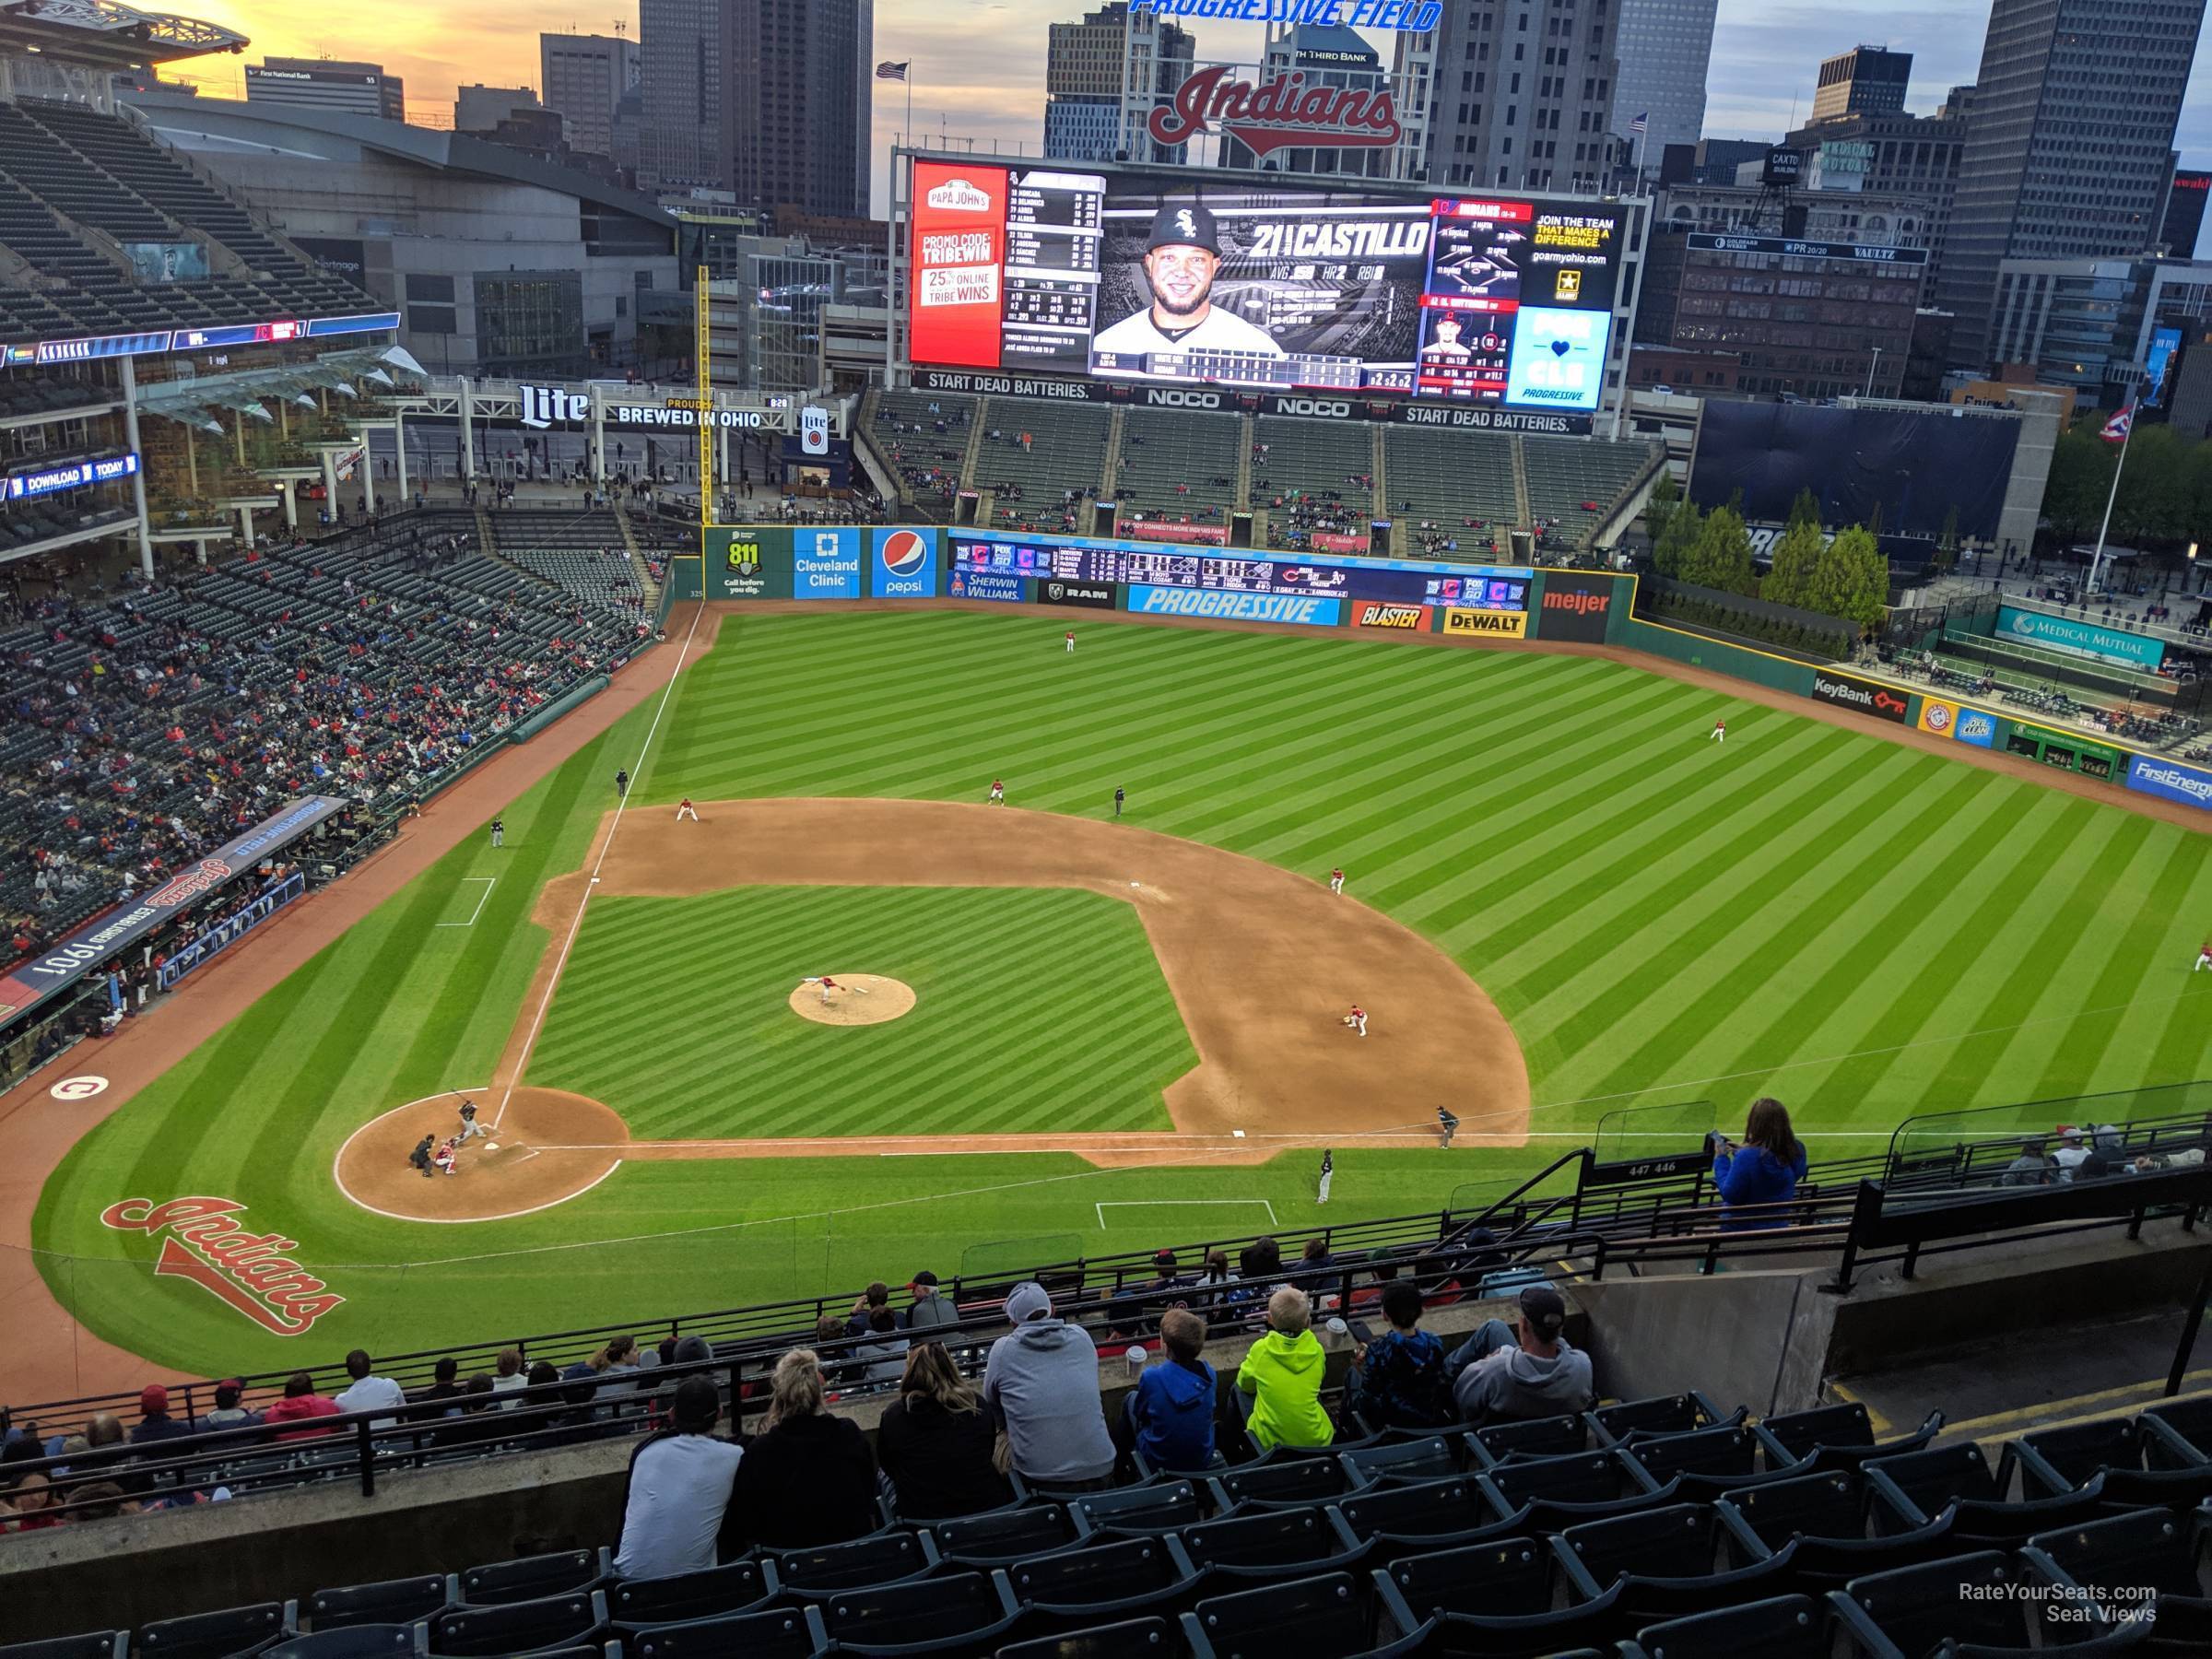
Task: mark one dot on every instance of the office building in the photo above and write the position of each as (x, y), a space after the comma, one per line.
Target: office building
(1867, 80)
(2091, 323)
(1522, 96)
(1664, 48)
(2185, 212)
(480, 109)
(583, 78)
(1102, 75)
(799, 136)
(2068, 149)
(1895, 155)
(320, 84)
(1759, 315)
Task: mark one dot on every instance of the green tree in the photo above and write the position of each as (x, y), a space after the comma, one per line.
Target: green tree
(1671, 551)
(1721, 558)
(1851, 579)
(1660, 505)
(2081, 474)
(1806, 509)
(1795, 553)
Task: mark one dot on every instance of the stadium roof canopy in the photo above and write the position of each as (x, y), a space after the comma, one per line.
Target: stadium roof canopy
(102, 34)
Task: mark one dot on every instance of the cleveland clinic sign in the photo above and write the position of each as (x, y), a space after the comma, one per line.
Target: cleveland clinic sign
(1396, 16)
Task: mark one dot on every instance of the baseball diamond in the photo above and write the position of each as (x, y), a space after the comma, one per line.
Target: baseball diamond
(1563, 902)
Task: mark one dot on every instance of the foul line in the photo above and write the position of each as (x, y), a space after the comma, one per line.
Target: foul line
(1104, 1205)
(537, 1020)
(489, 882)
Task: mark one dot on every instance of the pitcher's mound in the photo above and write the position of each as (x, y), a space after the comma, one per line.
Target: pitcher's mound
(859, 999)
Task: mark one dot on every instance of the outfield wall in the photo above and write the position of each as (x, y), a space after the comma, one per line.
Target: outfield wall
(1386, 596)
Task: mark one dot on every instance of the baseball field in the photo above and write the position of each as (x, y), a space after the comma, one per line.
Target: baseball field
(1563, 900)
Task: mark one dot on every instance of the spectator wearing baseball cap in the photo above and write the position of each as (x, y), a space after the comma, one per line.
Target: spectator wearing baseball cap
(228, 1412)
(1527, 1368)
(1042, 1382)
(930, 1310)
(2072, 1152)
(154, 1422)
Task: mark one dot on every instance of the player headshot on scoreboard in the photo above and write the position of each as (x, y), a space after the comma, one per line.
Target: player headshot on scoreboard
(1444, 345)
(1183, 255)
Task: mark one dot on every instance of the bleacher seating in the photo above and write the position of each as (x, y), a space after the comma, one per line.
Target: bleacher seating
(1574, 482)
(924, 436)
(1177, 469)
(106, 173)
(408, 647)
(1461, 484)
(581, 552)
(1363, 1549)
(1051, 478)
(1311, 475)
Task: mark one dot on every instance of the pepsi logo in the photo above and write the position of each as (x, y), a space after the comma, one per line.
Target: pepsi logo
(904, 553)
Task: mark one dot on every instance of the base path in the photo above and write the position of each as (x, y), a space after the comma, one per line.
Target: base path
(1262, 963)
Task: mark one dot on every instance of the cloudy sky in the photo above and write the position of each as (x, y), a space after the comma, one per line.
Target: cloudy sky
(979, 64)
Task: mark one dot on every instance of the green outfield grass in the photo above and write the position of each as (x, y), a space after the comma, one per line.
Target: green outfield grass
(993, 970)
(1867, 930)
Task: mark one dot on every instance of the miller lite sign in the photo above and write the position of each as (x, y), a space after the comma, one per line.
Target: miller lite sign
(814, 431)
(1277, 113)
(540, 406)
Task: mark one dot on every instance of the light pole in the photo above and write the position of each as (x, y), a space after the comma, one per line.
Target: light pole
(1871, 367)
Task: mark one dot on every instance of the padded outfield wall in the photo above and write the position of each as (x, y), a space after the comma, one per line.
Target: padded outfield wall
(1475, 603)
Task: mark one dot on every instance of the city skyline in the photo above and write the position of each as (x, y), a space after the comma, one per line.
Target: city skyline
(1764, 59)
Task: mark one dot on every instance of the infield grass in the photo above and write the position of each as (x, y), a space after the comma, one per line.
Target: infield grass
(1866, 930)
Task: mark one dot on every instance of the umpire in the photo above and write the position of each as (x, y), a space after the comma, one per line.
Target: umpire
(420, 1157)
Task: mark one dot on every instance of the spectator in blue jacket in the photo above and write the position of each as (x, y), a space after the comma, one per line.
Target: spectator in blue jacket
(1397, 1380)
(1168, 1416)
(1765, 1169)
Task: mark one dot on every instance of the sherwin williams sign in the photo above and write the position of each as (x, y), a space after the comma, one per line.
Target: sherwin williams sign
(2170, 780)
(2081, 639)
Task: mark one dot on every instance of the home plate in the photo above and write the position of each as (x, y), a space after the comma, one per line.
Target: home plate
(491, 1145)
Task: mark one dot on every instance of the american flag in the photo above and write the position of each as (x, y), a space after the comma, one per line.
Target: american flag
(1639, 122)
(892, 71)
(2115, 429)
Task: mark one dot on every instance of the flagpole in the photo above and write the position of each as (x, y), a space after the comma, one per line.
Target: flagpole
(2126, 438)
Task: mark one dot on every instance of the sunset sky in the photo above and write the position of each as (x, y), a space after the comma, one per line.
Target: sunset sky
(979, 64)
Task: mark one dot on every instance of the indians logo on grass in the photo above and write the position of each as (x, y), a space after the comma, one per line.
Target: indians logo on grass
(248, 1271)
(904, 553)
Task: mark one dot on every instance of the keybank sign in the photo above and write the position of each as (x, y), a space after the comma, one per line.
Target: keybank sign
(2081, 639)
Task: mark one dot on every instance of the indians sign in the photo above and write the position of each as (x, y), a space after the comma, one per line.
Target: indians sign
(1277, 113)
(249, 1272)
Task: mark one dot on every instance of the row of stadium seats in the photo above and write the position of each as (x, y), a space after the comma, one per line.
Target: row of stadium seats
(1655, 1527)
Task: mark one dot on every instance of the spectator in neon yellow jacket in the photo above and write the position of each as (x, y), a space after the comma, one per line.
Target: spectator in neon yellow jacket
(1283, 1373)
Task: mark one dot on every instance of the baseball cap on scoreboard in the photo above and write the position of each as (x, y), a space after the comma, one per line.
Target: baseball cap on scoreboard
(1190, 225)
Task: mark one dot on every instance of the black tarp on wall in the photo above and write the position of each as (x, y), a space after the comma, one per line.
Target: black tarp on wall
(1917, 464)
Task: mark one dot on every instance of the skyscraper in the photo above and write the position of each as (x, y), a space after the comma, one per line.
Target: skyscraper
(319, 84)
(769, 98)
(1664, 48)
(1867, 80)
(1523, 96)
(2185, 212)
(1084, 108)
(2069, 143)
(583, 78)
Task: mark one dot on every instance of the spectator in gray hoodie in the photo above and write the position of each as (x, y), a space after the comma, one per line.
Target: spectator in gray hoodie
(1043, 1383)
(1523, 1369)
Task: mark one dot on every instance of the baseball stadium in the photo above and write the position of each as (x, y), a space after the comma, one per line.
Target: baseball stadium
(1098, 845)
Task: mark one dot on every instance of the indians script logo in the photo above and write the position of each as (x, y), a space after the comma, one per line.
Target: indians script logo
(957, 195)
(1275, 115)
(249, 1271)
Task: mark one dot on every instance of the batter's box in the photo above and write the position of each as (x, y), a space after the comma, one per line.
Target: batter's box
(1149, 1204)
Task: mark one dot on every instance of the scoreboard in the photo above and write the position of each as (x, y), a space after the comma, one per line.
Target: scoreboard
(1472, 587)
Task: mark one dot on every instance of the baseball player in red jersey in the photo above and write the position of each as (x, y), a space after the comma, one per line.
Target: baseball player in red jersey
(1720, 731)
(1071, 640)
(1336, 880)
(1356, 1020)
(2203, 957)
(683, 809)
(445, 1158)
(998, 792)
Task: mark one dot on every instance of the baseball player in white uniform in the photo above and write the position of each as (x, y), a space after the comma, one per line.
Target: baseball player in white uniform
(683, 809)
(1183, 257)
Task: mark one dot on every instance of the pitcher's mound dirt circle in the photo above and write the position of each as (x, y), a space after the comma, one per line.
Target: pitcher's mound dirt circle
(549, 1146)
(859, 999)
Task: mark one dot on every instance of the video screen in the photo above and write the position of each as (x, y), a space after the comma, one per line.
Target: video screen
(1182, 279)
